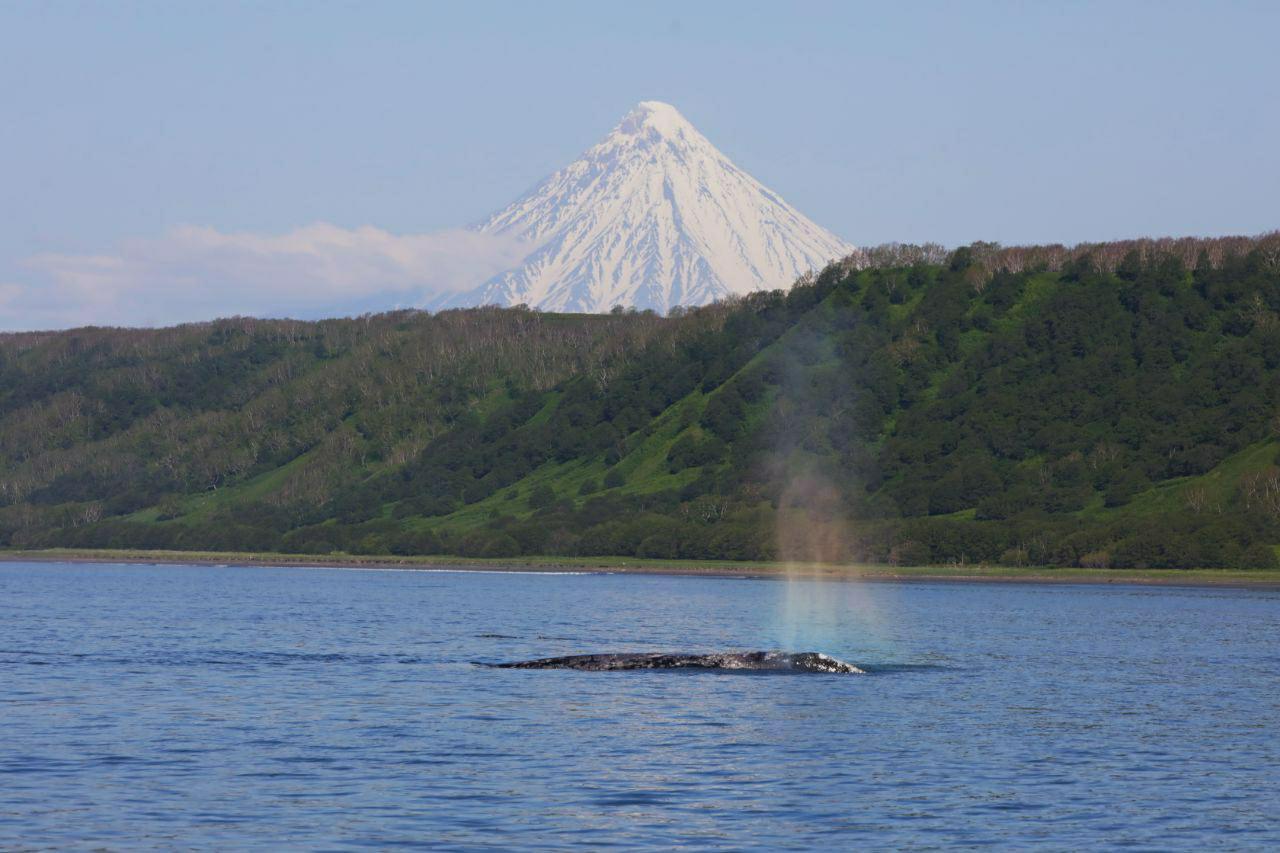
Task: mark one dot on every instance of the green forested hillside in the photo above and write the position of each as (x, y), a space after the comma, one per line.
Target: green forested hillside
(1112, 405)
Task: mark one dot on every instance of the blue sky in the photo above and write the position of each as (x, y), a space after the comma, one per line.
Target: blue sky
(1014, 122)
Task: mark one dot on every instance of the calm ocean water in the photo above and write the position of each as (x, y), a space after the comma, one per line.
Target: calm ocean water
(251, 707)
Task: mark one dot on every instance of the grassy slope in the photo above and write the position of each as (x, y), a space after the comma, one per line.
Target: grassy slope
(644, 467)
(1218, 484)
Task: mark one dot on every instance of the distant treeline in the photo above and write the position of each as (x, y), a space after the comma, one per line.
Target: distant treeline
(1108, 404)
(989, 258)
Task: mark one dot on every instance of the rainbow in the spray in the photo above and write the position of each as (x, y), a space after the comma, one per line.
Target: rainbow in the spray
(813, 532)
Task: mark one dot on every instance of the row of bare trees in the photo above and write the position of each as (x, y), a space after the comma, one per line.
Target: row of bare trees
(1256, 491)
(1261, 490)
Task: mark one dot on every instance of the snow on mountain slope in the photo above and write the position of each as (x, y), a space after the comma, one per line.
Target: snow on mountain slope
(652, 217)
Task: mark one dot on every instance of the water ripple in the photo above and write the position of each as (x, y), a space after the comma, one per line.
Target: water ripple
(266, 708)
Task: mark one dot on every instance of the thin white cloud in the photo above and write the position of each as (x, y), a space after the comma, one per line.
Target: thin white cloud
(198, 273)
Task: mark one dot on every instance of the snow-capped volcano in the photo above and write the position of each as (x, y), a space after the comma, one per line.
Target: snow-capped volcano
(652, 217)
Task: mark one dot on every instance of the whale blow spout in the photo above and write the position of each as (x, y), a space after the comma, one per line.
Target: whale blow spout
(773, 661)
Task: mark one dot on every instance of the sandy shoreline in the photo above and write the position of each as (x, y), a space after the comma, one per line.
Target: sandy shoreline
(1213, 578)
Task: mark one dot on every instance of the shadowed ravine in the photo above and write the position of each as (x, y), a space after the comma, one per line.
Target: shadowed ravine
(772, 661)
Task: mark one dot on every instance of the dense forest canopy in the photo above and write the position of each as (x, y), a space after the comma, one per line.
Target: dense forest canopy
(1106, 405)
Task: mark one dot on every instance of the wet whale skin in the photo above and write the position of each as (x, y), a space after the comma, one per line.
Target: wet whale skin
(772, 661)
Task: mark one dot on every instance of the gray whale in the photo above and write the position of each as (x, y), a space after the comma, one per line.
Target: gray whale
(751, 661)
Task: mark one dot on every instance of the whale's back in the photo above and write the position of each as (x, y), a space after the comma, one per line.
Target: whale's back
(758, 661)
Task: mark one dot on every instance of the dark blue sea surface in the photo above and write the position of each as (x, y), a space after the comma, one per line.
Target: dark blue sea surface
(166, 706)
